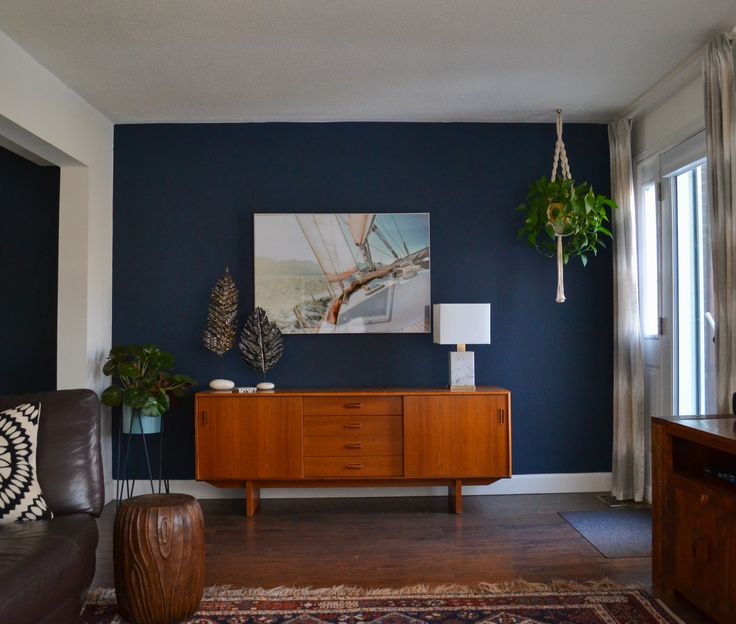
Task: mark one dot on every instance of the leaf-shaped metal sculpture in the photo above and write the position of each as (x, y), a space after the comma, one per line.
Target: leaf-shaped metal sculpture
(222, 316)
(261, 344)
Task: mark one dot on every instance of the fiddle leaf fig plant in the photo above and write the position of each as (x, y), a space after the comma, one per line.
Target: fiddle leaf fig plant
(143, 380)
(574, 212)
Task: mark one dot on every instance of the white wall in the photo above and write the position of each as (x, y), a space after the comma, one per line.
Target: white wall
(40, 115)
(671, 111)
(666, 124)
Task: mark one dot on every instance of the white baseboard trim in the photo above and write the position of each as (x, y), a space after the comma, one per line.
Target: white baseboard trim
(518, 484)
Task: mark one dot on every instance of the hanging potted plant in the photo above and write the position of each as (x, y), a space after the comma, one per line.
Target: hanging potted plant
(563, 218)
(144, 385)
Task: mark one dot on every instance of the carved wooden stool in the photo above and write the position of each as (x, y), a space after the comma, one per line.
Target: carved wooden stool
(158, 549)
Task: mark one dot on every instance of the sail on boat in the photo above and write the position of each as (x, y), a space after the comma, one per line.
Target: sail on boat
(360, 226)
(327, 240)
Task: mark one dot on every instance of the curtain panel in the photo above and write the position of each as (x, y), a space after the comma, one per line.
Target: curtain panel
(629, 419)
(720, 134)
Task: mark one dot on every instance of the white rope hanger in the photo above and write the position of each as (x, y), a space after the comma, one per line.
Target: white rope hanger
(560, 161)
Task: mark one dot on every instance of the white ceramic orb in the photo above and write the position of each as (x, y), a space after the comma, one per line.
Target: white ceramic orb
(222, 384)
(265, 385)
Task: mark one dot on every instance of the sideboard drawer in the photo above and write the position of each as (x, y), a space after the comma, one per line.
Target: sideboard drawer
(353, 467)
(352, 445)
(358, 424)
(354, 405)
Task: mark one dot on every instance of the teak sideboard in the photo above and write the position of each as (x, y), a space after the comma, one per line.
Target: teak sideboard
(353, 437)
(694, 512)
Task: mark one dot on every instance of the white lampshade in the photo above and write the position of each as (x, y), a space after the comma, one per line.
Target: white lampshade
(462, 323)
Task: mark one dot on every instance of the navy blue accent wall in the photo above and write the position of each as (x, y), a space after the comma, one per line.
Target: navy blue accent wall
(184, 199)
(29, 248)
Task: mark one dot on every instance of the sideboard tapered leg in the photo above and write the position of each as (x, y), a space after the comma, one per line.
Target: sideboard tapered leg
(455, 497)
(252, 498)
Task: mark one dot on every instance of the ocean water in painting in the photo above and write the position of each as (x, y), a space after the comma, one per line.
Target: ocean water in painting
(344, 273)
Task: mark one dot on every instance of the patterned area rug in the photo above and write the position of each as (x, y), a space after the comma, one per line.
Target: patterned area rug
(507, 603)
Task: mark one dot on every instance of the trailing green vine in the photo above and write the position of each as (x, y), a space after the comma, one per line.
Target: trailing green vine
(561, 207)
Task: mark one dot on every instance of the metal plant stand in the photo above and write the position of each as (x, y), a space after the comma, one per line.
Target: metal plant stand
(124, 486)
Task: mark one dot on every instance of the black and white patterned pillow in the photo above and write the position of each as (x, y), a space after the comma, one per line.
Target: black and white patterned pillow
(20, 495)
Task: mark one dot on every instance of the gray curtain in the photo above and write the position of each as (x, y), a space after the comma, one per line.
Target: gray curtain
(720, 133)
(629, 419)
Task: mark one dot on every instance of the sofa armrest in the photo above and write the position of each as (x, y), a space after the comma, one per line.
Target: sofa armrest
(69, 461)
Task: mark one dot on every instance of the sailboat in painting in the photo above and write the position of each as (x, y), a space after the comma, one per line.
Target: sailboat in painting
(374, 267)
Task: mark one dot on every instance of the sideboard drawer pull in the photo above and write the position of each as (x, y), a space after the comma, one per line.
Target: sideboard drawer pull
(353, 425)
(353, 405)
(204, 419)
(704, 498)
(354, 466)
(501, 415)
(354, 445)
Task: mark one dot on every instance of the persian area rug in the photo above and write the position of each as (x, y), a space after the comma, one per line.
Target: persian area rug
(507, 603)
(615, 532)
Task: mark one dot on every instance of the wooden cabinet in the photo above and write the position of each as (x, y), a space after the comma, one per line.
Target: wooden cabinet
(694, 512)
(357, 437)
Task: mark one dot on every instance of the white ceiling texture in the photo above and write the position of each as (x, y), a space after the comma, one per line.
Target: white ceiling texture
(377, 60)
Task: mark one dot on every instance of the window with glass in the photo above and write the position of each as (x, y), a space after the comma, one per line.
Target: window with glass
(649, 260)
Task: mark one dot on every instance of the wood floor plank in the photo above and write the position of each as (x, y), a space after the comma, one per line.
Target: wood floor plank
(391, 542)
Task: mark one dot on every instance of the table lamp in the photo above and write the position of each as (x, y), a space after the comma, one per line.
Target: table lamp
(461, 324)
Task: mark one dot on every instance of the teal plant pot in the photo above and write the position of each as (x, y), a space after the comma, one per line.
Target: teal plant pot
(147, 424)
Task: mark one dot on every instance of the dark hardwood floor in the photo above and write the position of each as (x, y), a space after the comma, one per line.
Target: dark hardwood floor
(391, 542)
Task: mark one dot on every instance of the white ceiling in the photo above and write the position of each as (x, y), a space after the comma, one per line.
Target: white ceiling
(382, 60)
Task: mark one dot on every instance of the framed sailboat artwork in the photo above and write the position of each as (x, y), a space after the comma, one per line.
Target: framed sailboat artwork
(344, 273)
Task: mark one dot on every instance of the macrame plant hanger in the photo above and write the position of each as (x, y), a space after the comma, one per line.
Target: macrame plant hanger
(558, 221)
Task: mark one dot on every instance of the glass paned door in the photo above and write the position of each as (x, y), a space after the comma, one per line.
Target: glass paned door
(675, 283)
(687, 294)
(693, 294)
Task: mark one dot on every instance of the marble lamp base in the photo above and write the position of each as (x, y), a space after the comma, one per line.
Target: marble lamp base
(462, 370)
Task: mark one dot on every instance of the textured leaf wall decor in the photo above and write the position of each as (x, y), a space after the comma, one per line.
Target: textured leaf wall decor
(261, 344)
(222, 316)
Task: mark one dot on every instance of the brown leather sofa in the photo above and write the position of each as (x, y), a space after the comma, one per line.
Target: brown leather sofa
(46, 566)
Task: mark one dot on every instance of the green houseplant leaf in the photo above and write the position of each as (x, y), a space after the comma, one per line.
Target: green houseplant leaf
(572, 210)
(143, 380)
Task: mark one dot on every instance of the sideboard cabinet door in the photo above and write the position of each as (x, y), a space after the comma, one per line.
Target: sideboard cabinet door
(246, 439)
(456, 436)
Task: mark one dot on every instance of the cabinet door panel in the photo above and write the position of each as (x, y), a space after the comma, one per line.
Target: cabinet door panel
(456, 436)
(702, 551)
(253, 438)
